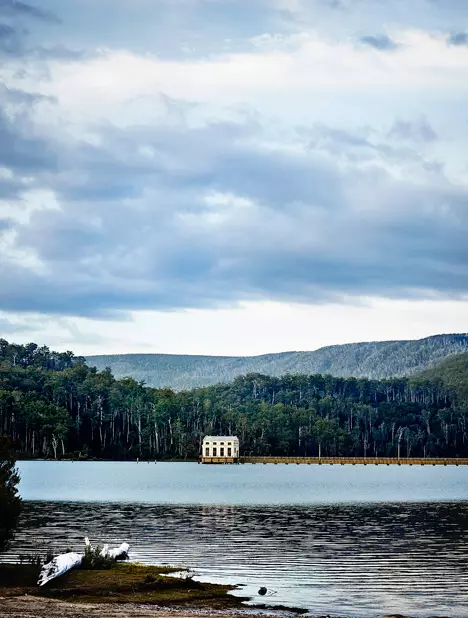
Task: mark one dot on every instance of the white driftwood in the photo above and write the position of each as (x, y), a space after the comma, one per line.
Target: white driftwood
(58, 566)
(116, 552)
(65, 562)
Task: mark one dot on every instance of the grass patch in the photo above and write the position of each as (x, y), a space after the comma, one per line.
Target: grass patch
(122, 583)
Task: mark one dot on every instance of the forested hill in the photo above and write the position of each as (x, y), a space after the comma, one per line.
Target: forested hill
(54, 405)
(452, 372)
(376, 360)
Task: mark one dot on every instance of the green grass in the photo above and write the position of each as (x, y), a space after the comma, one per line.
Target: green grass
(123, 583)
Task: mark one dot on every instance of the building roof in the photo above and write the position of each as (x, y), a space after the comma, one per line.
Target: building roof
(220, 438)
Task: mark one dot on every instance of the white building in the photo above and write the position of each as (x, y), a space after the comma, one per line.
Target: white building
(220, 449)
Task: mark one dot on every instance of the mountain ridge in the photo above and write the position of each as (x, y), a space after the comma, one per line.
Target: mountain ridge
(372, 359)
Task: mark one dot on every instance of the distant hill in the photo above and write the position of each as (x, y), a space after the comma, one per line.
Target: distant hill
(453, 372)
(377, 359)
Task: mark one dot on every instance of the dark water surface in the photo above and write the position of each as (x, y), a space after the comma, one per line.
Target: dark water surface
(345, 541)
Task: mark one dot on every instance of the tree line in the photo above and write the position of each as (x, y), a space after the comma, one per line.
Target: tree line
(53, 405)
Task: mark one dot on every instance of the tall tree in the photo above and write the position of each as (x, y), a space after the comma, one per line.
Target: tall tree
(10, 502)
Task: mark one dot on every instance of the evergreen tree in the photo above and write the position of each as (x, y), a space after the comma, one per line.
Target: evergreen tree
(10, 502)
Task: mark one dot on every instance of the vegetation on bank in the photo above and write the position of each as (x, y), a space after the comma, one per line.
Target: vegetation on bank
(54, 405)
(10, 502)
(122, 583)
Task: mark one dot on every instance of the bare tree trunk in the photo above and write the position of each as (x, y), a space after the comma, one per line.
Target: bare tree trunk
(54, 445)
(156, 439)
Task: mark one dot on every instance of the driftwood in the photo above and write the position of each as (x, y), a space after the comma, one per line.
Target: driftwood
(58, 566)
(63, 563)
(118, 553)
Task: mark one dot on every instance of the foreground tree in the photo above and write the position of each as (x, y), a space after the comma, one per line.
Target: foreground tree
(10, 502)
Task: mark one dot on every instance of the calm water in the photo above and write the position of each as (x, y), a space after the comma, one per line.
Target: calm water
(347, 541)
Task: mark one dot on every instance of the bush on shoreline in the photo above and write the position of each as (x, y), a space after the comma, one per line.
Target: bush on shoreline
(95, 560)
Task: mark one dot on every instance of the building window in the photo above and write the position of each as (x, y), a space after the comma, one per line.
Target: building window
(229, 443)
(221, 452)
(222, 443)
(214, 451)
(207, 452)
(229, 451)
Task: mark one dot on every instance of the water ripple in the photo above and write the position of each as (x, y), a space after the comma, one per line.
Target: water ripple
(356, 560)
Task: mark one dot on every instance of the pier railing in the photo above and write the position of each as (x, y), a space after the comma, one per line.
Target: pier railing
(366, 461)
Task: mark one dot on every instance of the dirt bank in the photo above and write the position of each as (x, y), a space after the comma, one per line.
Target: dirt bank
(38, 607)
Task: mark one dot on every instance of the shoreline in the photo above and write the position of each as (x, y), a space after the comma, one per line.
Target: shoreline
(40, 607)
(129, 590)
(128, 584)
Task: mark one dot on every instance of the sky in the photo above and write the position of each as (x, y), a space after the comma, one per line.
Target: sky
(232, 176)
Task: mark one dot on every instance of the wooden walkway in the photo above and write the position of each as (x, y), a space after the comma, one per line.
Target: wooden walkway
(366, 461)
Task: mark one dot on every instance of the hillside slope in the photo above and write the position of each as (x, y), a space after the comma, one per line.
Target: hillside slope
(453, 372)
(377, 359)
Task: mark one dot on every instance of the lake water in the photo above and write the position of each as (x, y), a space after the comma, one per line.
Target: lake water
(346, 541)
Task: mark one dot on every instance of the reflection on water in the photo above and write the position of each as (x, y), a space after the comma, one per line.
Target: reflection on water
(346, 560)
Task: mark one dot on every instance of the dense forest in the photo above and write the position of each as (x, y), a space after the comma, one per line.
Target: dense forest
(54, 405)
(374, 359)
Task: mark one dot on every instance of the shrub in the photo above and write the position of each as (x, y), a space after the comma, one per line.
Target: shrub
(93, 559)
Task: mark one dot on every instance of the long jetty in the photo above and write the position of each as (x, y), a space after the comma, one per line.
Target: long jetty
(366, 461)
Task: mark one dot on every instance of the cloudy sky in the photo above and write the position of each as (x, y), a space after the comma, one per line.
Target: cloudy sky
(232, 176)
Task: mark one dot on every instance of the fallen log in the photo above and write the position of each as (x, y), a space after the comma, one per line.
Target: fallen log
(59, 565)
(63, 563)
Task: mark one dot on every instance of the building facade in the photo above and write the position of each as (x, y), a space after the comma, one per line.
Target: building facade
(220, 449)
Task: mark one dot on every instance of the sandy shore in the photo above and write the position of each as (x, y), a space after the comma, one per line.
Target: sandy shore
(38, 607)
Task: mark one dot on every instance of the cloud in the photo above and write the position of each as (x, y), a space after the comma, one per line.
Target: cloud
(418, 131)
(23, 151)
(58, 52)
(382, 42)
(20, 150)
(16, 8)
(171, 217)
(284, 77)
(242, 176)
(4, 224)
(459, 38)
(9, 327)
(14, 43)
(10, 40)
(14, 37)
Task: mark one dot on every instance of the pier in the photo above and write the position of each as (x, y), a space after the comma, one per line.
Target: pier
(354, 461)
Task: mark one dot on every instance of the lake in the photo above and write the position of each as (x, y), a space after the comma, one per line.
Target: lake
(355, 541)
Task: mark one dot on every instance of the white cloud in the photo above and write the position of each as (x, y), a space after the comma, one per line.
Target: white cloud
(253, 328)
(284, 76)
(317, 180)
